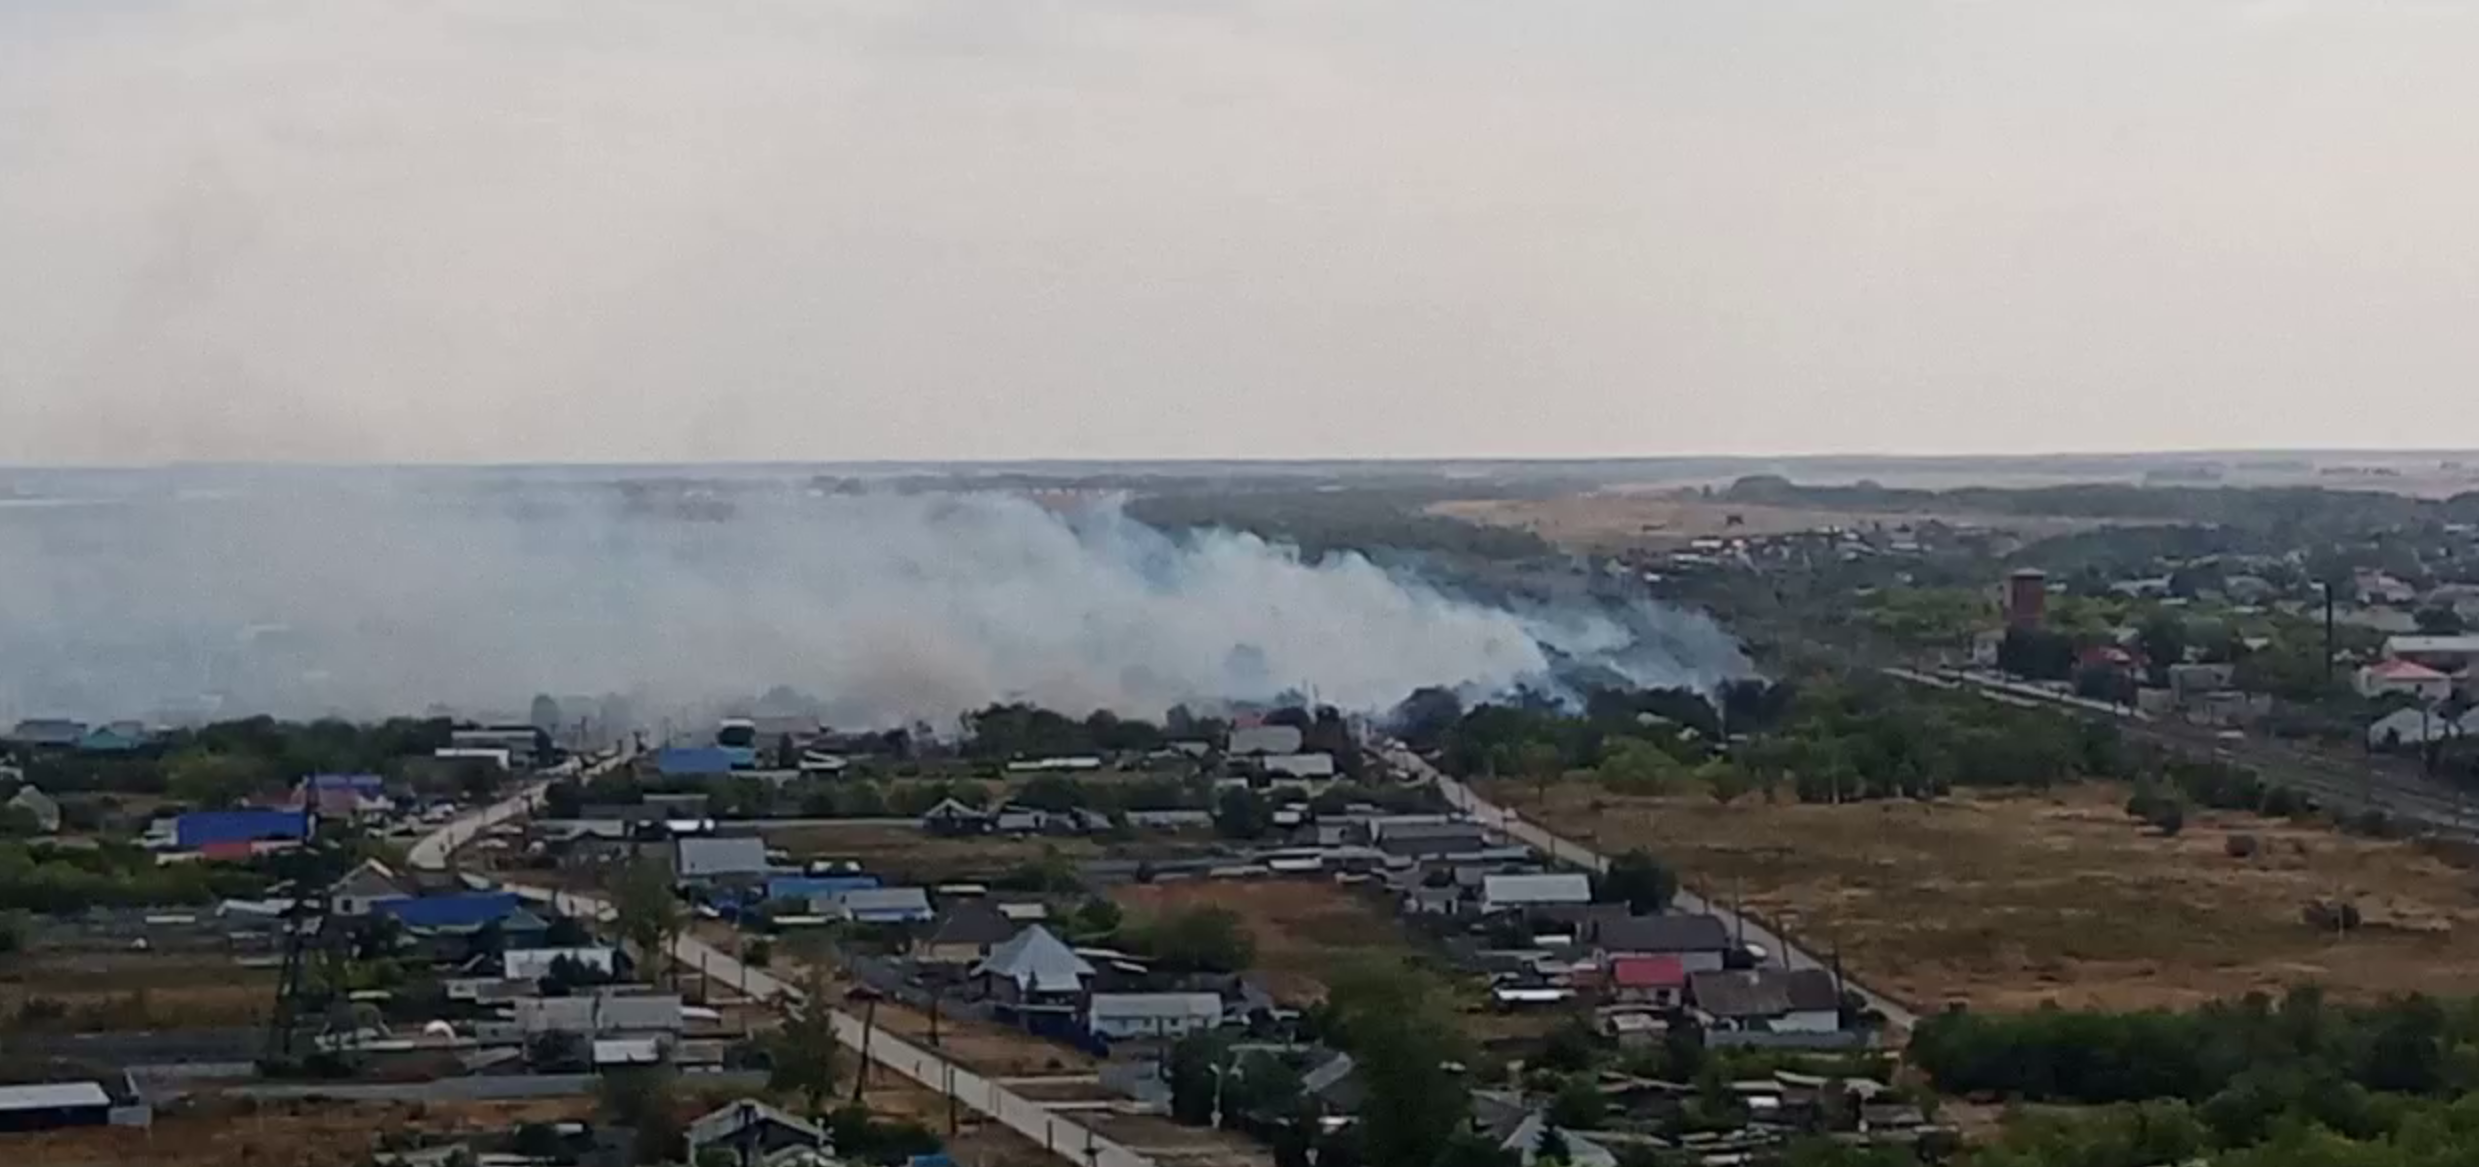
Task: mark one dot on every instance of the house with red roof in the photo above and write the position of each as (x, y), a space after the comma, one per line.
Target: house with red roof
(1658, 981)
(2404, 678)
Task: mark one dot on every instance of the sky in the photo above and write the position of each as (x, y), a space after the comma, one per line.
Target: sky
(650, 230)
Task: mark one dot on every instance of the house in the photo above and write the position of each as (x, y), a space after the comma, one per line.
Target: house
(1699, 943)
(1262, 740)
(966, 933)
(453, 913)
(369, 884)
(2190, 681)
(1658, 981)
(950, 817)
(1768, 1000)
(533, 964)
(1525, 1142)
(804, 888)
(751, 1132)
(610, 1052)
(1335, 1084)
(2450, 654)
(1309, 767)
(878, 905)
(53, 1105)
(1054, 765)
(1034, 967)
(816, 762)
(726, 858)
(1500, 893)
(342, 796)
(2406, 678)
(1012, 819)
(200, 829)
(1425, 900)
(1170, 820)
(522, 744)
(43, 808)
(120, 737)
(2376, 587)
(2418, 725)
(702, 761)
(1120, 1016)
(47, 733)
(1434, 846)
(599, 1013)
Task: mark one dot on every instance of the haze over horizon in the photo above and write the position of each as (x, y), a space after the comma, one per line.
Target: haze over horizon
(515, 231)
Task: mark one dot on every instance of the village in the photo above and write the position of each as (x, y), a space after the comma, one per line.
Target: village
(1076, 925)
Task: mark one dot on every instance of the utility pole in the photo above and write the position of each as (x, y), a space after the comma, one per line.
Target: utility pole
(2328, 634)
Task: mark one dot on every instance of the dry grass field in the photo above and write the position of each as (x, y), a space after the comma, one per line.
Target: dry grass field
(1305, 929)
(138, 990)
(1618, 520)
(2009, 901)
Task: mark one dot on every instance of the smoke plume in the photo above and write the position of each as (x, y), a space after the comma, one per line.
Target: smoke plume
(370, 593)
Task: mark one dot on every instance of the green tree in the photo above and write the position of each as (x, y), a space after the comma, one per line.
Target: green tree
(1240, 813)
(649, 916)
(646, 1099)
(1578, 1105)
(1634, 766)
(801, 1054)
(209, 779)
(1639, 881)
(1402, 1036)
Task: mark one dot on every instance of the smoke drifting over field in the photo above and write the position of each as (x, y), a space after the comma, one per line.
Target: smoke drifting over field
(363, 595)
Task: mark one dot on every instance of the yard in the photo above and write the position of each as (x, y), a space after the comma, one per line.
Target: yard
(2010, 901)
(1305, 929)
(1618, 519)
(133, 990)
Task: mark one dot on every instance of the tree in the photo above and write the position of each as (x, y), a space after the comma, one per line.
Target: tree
(2163, 640)
(1240, 813)
(1402, 1036)
(645, 1098)
(1639, 881)
(1727, 782)
(801, 1054)
(2439, 621)
(1578, 1105)
(650, 917)
(209, 779)
(558, 1051)
(1631, 765)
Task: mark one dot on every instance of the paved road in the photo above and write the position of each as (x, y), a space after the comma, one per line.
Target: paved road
(1020, 1114)
(431, 851)
(1532, 834)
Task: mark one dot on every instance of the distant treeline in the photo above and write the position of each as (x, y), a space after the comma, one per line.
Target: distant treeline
(2299, 509)
(1324, 522)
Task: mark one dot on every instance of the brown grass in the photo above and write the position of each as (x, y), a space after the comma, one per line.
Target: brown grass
(906, 854)
(138, 990)
(288, 1134)
(1305, 930)
(2009, 901)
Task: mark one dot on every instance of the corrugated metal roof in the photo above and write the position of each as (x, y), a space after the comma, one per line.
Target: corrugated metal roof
(53, 1096)
(199, 828)
(1265, 739)
(739, 855)
(1559, 888)
(1166, 1005)
(450, 911)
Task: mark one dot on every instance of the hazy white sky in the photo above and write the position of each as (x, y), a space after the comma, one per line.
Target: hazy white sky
(516, 230)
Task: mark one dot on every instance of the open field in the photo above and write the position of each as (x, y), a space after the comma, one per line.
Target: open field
(1613, 520)
(1305, 929)
(137, 990)
(2009, 901)
(290, 1134)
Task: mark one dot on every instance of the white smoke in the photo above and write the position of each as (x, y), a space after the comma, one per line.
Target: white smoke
(363, 595)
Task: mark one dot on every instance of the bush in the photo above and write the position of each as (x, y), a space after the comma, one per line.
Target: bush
(758, 953)
(2242, 846)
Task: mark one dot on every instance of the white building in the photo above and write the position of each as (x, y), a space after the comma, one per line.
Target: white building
(1130, 1015)
(1511, 892)
(2405, 678)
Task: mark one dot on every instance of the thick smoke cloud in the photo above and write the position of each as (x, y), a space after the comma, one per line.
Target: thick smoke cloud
(364, 594)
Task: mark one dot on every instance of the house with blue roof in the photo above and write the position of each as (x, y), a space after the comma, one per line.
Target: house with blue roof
(120, 737)
(200, 829)
(702, 761)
